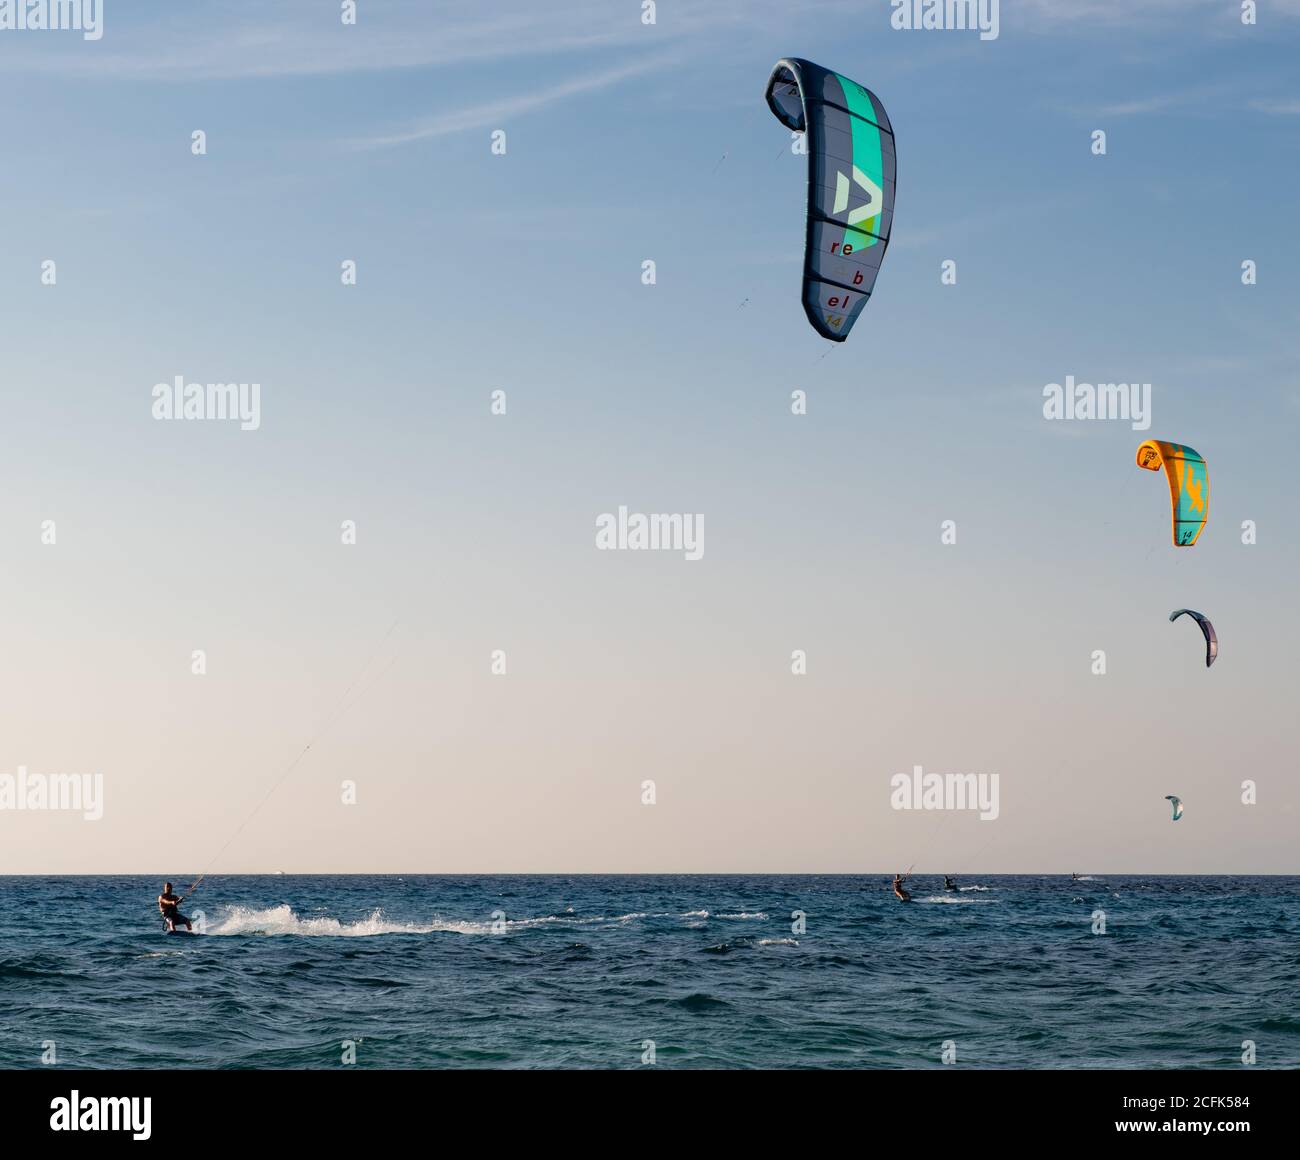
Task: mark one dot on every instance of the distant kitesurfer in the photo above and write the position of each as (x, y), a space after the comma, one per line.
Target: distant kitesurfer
(1074, 877)
(169, 905)
(903, 895)
(948, 883)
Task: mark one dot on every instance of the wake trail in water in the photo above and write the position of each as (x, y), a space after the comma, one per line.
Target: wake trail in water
(282, 920)
(951, 901)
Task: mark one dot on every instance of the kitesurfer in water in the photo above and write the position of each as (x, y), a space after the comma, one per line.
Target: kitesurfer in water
(948, 883)
(169, 905)
(903, 895)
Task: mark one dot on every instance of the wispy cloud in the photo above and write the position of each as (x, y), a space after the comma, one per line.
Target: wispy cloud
(497, 114)
(987, 221)
(244, 39)
(1134, 108)
(1217, 97)
(1187, 14)
(1140, 26)
(1284, 108)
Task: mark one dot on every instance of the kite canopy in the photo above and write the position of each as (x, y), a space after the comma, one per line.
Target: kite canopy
(1211, 640)
(851, 176)
(1177, 804)
(1189, 486)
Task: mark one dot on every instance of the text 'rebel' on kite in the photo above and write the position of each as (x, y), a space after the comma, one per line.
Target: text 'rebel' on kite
(1189, 486)
(851, 175)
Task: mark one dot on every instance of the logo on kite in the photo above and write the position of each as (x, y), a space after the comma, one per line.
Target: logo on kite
(851, 177)
(1211, 640)
(1189, 486)
(866, 212)
(1177, 803)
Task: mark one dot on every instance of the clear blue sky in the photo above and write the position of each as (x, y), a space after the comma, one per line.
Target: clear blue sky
(522, 273)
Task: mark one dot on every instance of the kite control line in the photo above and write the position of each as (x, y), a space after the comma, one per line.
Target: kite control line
(342, 706)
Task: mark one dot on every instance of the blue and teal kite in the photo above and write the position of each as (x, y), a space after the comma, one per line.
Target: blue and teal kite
(851, 177)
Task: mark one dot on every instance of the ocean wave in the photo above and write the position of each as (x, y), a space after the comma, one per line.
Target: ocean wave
(700, 1003)
(587, 968)
(726, 948)
(35, 967)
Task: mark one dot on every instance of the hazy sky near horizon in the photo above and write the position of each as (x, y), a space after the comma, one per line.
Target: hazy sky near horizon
(476, 532)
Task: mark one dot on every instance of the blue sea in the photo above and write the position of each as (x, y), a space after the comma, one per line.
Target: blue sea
(703, 971)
